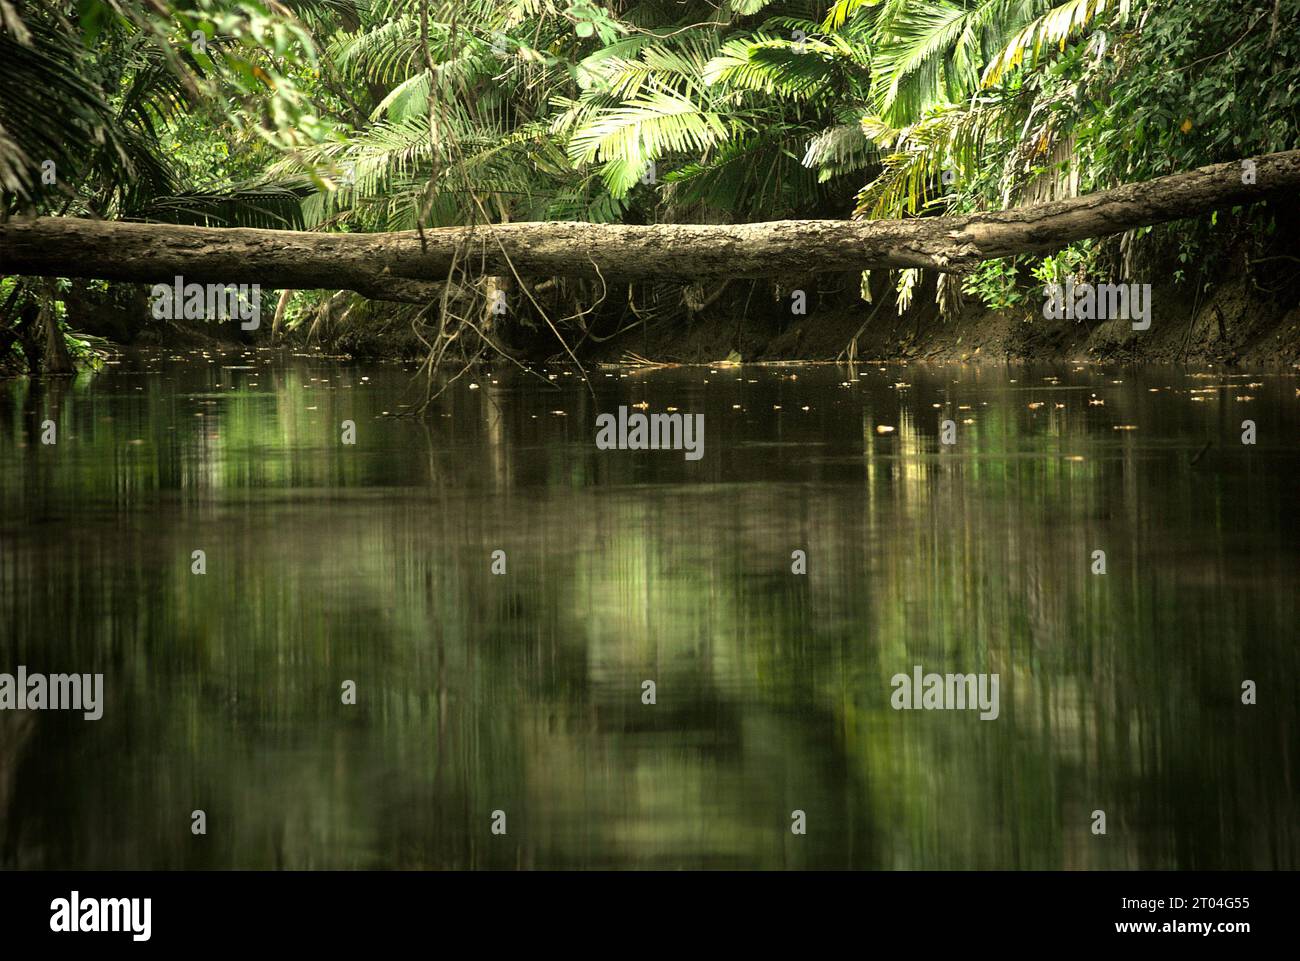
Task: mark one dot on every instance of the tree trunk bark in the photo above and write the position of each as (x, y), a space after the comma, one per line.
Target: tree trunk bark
(57, 359)
(398, 267)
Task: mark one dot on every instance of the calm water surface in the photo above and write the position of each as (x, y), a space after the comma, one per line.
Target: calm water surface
(522, 692)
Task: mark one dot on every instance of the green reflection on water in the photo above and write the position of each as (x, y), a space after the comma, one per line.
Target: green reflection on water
(523, 692)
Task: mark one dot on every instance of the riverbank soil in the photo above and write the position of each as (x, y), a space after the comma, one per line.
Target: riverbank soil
(1232, 325)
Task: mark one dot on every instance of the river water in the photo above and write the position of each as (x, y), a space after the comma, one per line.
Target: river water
(517, 699)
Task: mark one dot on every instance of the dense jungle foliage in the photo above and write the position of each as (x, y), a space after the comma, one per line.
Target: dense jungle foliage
(370, 115)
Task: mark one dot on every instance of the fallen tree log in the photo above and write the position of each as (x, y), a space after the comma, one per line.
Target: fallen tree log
(400, 266)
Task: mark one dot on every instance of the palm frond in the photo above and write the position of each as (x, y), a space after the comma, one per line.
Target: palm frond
(1053, 28)
(628, 138)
